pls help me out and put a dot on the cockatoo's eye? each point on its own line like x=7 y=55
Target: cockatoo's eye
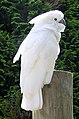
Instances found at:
x=55 y=19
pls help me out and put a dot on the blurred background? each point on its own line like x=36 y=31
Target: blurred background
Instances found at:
x=14 y=27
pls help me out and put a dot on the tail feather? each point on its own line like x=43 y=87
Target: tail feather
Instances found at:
x=34 y=103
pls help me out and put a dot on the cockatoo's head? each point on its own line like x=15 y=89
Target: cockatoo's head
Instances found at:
x=55 y=18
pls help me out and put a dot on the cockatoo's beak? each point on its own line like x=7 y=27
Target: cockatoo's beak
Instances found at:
x=63 y=21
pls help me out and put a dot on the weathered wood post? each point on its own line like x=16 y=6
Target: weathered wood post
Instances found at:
x=57 y=98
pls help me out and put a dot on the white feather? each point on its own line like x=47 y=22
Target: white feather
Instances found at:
x=39 y=52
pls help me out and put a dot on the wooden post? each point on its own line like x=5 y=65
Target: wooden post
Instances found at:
x=57 y=98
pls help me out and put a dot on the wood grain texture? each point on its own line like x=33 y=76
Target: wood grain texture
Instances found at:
x=57 y=98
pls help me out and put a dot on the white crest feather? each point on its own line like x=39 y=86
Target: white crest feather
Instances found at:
x=44 y=16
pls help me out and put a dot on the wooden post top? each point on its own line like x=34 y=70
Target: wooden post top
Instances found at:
x=57 y=97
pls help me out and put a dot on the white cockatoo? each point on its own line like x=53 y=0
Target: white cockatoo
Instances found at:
x=39 y=51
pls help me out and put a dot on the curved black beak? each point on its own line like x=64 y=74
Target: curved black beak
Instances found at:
x=62 y=21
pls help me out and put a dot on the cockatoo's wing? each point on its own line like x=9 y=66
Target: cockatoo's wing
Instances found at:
x=37 y=64
x=38 y=55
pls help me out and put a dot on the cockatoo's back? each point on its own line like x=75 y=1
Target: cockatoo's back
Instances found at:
x=39 y=52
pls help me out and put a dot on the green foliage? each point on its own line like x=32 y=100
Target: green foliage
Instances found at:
x=37 y=7
x=10 y=106
x=14 y=18
x=7 y=78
